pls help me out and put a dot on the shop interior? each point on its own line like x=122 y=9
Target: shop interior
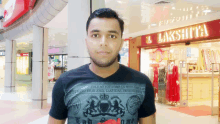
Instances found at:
x=59 y=62
x=198 y=66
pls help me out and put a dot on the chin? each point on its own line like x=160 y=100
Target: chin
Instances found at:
x=103 y=63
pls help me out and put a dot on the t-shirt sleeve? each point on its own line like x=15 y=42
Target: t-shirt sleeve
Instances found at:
x=58 y=108
x=147 y=108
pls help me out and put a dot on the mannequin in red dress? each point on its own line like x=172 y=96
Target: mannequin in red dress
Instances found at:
x=155 y=81
x=172 y=88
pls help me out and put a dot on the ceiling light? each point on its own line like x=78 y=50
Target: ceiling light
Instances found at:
x=207 y=10
x=120 y=2
x=154 y=24
x=173 y=8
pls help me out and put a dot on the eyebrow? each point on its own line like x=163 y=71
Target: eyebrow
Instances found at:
x=111 y=31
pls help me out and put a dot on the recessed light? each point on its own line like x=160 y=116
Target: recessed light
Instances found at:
x=173 y=8
x=207 y=10
x=120 y=2
x=154 y=24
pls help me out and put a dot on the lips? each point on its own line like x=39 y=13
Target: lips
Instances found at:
x=103 y=53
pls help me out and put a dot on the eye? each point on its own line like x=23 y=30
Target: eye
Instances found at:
x=95 y=35
x=112 y=36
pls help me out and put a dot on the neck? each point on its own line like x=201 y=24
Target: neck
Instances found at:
x=104 y=71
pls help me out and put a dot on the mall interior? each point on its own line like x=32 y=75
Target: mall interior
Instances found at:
x=174 y=42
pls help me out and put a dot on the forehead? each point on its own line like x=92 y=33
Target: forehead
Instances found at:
x=104 y=24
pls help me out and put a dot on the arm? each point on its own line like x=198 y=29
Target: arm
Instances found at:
x=55 y=121
x=58 y=111
x=148 y=120
x=147 y=110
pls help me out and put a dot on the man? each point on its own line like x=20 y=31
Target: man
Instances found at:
x=103 y=91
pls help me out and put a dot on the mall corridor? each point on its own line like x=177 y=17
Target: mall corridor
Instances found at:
x=171 y=44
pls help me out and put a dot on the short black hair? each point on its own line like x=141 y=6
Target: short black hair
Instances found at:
x=105 y=13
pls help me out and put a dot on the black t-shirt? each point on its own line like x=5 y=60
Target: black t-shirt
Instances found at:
x=86 y=98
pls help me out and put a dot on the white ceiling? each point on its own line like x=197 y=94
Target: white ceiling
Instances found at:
x=141 y=17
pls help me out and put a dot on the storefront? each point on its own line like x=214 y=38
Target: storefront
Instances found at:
x=124 y=53
x=194 y=50
x=22 y=64
x=57 y=60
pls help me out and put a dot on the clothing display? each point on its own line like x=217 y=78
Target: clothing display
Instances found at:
x=86 y=98
x=172 y=88
x=162 y=85
x=162 y=79
x=209 y=57
x=155 y=81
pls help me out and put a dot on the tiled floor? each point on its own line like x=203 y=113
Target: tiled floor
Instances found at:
x=16 y=109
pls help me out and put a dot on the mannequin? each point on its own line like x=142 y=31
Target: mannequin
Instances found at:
x=155 y=80
x=172 y=88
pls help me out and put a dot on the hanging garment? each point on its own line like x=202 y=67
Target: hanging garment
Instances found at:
x=162 y=79
x=173 y=89
x=155 y=81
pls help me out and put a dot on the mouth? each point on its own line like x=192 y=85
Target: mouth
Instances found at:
x=103 y=53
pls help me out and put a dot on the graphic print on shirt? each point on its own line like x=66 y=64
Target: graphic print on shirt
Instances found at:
x=104 y=106
x=99 y=102
x=132 y=104
x=75 y=106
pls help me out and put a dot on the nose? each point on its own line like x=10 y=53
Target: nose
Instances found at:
x=103 y=41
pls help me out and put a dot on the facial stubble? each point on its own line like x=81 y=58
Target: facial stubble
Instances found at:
x=100 y=64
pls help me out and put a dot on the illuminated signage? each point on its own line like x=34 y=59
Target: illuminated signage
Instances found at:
x=198 y=32
x=9 y=9
x=54 y=50
x=23 y=54
x=148 y=40
x=183 y=34
x=14 y=9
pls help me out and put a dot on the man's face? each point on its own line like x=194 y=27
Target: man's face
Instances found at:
x=104 y=41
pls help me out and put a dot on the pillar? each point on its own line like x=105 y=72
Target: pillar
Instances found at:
x=77 y=51
x=40 y=67
x=10 y=65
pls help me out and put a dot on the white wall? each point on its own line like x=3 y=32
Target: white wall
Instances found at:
x=145 y=62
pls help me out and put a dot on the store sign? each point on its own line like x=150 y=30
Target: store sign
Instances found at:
x=198 y=31
x=203 y=31
x=31 y=4
x=54 y=50
x=14 y=9
x=23 y=54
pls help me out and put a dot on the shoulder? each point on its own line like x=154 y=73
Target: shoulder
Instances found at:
x=74 y=72
x=135 y=75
